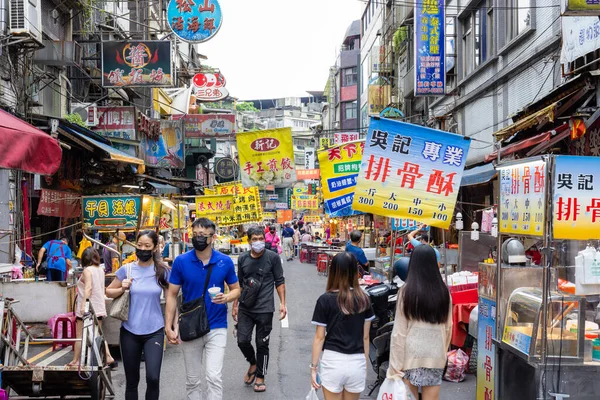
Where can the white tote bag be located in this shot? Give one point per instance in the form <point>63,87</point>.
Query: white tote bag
<point>312,395</point>
<point>394,389</point>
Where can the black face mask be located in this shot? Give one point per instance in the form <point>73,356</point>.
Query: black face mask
<point>143,255</point>
<point>200,243</point>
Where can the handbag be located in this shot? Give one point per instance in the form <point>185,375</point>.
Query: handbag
<point>193,320</point>
<point>251,290</point>
<point>120,305</point>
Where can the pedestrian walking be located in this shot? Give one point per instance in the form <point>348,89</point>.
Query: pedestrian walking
<point>58,259</point>
<point>422,326</point>
<point>297,237</point>
<point>144,329</point>
<point>110,258</point>
<point>288,241</point>
<point>197,273</point>
<point>272,240</point>
<point>260,273</point>
<point>90,286</point>
<point>343,316</point>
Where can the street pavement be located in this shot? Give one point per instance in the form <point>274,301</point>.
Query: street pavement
<point>289,374</point>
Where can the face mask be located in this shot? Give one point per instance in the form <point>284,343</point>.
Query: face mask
<point>200,243</point>
<point>143,255</point>
<point>258,247</point>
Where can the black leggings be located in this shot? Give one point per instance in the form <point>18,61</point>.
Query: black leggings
<point>131,354</point>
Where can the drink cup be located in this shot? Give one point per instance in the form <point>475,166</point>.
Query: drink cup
<point>214,291</point>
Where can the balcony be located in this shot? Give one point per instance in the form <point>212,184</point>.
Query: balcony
<point>58,53</point>
<point>349,58</point>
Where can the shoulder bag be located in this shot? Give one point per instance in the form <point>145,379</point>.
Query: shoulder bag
<point>193,319</point>
<point>251,289</point>
<point>120,305</point>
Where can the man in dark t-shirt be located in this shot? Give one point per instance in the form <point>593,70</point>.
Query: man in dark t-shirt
<point>259,314</point>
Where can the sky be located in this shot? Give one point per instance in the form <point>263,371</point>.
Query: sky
<point>279,48</point>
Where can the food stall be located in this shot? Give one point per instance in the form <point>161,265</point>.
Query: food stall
<point>544,315</point>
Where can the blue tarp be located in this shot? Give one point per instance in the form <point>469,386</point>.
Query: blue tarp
<point>478,175</point>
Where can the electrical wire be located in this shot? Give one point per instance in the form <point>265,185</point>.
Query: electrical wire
<point>411,5</point>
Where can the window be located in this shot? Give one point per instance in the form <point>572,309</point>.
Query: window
<point>477,37</point>
<point>518,18</point>
<point>349,76</point>
<point>450,52</point>
<point>351,110</point>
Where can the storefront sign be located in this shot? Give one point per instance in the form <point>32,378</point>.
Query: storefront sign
<point>400,224</point>
<point>111,211</point>
<point>166,150</point>
<point>312,219</point>
<point>225,168</point>
<point>209,125</point>
<point>430,73</point>
<point>486,355</point>
<point>576,198</point>
<point>305,202</point>
<point>339,169</point>
<point>151,212</point>
<point>214,205</point>
<point>269,205</point>
<point>172,219</point>
<point>116,122</point>
<point>209,86</point>
<point>523,198</point>
<point>269,215</point>
<point>581,7</point>
<point>273,197</point>
<point>246,204</point>
<point>379,93</point>
<point>281,206</point>
<point>409,171</point>
<point>308,174</point>
<point>266,157</point>
<point>581,35</point>
<point>345,137</point>
<point>137,63</point>
<point>59,204</point>
<point>309,158</point>
<point>284,216</point>
<point>325,143</point>
<point>194,21</point>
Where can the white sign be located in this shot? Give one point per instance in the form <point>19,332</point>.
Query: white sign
<point>209,86</point>
<point>345,137</point>
<point>309,158</point>
<point>281,206</point>
<point>581,35</point>
<point>273,197</point>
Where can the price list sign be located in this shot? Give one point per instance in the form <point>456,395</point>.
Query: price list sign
<point>523,198</point>
<point>412,172</point>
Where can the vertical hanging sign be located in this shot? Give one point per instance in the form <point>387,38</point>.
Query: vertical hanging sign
<point>430,74</point>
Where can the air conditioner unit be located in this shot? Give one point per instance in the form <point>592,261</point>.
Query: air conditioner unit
<point>26,19</point>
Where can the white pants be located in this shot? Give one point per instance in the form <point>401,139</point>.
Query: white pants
<point>210,347</point>
<point>288,247</point>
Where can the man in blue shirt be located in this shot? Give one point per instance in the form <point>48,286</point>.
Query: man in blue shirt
<point>58,257</point>
<point>353,247</point>
<point>189,274</point>
<point>288,241</point>
<point>423,239</point>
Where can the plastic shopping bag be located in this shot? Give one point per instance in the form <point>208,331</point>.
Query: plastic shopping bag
<point>458,361</point>
<point>312,395</point>
<point>394,389</point>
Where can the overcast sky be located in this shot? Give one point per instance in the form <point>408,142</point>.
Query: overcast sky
<point>279,48</point>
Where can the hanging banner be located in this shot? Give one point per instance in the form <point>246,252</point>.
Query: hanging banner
<point>580,36</point>
<point>486,354</point>
<point>400,224</point>
<point>523,198</point>
<point>308,174</point>
<point>430,73</point>
<point>151,212</point>
<point>59,204</point>
<point>266,157</point>
<point>581,7</point>
<point>194,21</point>
<point>268,215</point>
<point>345,137</point>
<point>410,171</point>
<point>119,212</point>
<point>305,202</point>
<point>576,198</point>
<point>137,63</point>
<point>166,150</point>
<point>284,216</point>
<point>379,94</point>
<point>312,219</point>
<point>116,122</point>
<point>339,169</point>
<point>325,143</point>
<point>246,204</point>
<point>214,205</point>
<point>309,158</point>
<point>174,219</point>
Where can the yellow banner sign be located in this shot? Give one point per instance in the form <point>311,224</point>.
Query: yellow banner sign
<point>246,205</point>
<point>266,157</point>
<point>305,202</point>
<point>269,215</point>
<point>312,218</point>
<point>213,205</point>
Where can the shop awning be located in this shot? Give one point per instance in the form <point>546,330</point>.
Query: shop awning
<point>521,145</point>
<point>541,117</point>
<point>478,175</point>
<point>112,154</point>
<point>26,148</point>
<point>559,134</point>
<point>161,188</point>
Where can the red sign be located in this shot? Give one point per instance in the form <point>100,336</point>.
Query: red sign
<point>307,173</point>
<point>210,86</point>
<point>265,144</point>
<point>59,204</point>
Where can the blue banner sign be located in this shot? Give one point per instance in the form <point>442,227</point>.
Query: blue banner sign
<point>342,182</point>
<point>430,74</point>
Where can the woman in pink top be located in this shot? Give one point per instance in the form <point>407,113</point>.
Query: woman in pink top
<point>271,237</point>
<point>90,287</point>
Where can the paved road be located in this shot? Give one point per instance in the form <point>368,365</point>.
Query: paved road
<point>288,376</point>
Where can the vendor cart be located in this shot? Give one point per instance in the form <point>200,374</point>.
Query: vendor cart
<point>36,368</point>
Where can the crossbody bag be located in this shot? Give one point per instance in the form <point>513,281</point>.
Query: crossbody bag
<point>251,289</point>
<point>193,319</point>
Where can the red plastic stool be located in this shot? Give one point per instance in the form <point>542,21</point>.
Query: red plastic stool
<point>322,262</point>
<point>303,255</point>
<point>66,334</point>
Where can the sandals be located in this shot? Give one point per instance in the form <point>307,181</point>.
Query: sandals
<point>260,387</point>
<point>251,377</point>
<point>113,366</point>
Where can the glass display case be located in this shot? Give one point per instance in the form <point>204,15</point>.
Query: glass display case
<point>524,325</point>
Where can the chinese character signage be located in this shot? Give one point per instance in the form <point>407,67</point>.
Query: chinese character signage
<point>430,74</point>
<point>225,168</point>
<point>151,212</point>
<point>345,137</point>
<point>166,150</point>
<point>581,35</point>
<point>523,198</point>
<point>409,171</point>
<point>581,7</point>
<point>116,122</point>
<point>576,198</point>
<point>325,143</point>
<point>137,63</point>
<point>309,158</point>
<point>174,219</point>
<point>59,204</point>
<point>339,169</point>
<point>214,205</point>
<point>194,21</point>
<point>305,202</point>
<point>517,339</point>
<point>209,125</point>
<point>400,224</point>
<point>486,355</point>
<point>111,212</point>
<point>308,174</point>
<point>209,86</point>
<point>284,216</point>
<point>312,219</point>
<point>379,93</point>
<point>268,215</point>
<point>246,204</point>
<point>266,157</point>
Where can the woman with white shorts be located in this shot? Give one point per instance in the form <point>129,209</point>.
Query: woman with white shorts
<point>343,316</point>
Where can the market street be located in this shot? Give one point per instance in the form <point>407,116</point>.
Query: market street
<point>288,376</point>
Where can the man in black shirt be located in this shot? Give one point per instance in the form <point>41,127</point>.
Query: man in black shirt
<point>258,268</point>
<point>288,241</point>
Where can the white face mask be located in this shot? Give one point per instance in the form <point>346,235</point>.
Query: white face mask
<point>258,247</point>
